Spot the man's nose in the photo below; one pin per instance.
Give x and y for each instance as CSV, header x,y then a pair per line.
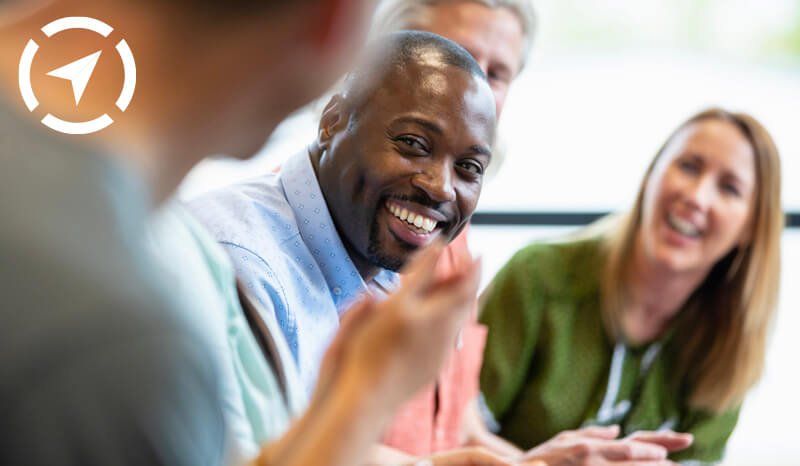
x,y
437,182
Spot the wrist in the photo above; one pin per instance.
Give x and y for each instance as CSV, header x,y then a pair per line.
x,y
364,394
386,380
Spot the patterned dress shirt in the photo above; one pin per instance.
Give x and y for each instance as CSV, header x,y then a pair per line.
x,y
286,251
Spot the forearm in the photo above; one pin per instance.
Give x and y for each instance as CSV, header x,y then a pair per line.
x,y
495,444
338,429
381,455
475,433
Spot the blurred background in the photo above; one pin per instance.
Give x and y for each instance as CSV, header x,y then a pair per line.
x,y
607,82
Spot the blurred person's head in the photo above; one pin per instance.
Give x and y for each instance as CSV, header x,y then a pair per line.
x,y
213,77
498,33
401,153
709,204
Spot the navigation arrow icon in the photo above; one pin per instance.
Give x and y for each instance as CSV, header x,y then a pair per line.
x,y
78,73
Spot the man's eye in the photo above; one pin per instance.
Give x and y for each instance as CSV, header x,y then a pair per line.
x,y
497,77
413,143
472,167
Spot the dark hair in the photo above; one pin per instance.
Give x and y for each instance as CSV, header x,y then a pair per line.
x,y
404,47
396,51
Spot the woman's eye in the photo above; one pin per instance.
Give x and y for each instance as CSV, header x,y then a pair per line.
x,y
731,189
688,166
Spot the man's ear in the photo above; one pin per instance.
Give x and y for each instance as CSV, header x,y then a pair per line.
x,y
333,121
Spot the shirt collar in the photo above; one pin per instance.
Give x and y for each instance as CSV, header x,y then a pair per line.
x,y
319,233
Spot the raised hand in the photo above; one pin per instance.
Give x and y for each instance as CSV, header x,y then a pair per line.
x,y
404,339
398,345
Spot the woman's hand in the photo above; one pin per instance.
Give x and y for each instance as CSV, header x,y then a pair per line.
x,y
600,446
672,441
474,433
472,456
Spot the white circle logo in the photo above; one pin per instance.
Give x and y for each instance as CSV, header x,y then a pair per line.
x,y
78,73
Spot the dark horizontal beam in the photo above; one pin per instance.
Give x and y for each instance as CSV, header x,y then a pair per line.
x,y
565,219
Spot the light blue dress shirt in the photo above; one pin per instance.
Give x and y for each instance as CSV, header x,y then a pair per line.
x,y
255,408
285,248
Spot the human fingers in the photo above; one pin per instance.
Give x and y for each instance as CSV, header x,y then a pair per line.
x,y
628,450
420,270
469,270
598,432
531,463
672,441
356,314
352,321
473,456
644,463
451,299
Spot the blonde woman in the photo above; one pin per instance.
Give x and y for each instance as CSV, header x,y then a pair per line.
x,y
657,319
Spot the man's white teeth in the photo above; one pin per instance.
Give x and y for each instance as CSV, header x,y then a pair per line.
x,y
682,226
419,221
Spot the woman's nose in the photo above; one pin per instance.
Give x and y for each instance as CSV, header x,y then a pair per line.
x,y
701,193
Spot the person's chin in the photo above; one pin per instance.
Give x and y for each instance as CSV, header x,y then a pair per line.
x,y
677,261
392,254
387,261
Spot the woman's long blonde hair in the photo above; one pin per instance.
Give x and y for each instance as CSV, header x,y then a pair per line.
x,y
722,349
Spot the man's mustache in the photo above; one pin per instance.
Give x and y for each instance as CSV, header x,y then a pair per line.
x,y
420,199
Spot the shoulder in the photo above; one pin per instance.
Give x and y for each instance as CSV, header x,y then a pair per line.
x,y
247,214
88,334
93,345
556,255
111,357
559,266
78,299
176,232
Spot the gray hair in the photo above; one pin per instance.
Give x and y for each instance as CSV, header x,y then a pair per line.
x,y
394,15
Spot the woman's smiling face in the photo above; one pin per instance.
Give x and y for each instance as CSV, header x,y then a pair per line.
x,y
699,199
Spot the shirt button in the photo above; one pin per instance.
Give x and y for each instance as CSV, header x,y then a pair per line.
x,y
337,291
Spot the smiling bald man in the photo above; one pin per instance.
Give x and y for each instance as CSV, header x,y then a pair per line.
x,y
399,161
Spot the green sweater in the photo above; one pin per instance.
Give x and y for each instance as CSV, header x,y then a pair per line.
x,y
550,366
